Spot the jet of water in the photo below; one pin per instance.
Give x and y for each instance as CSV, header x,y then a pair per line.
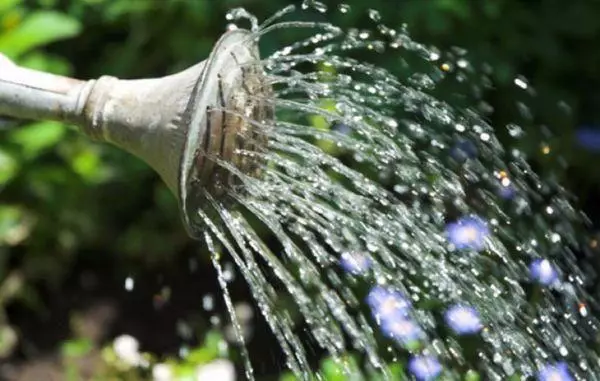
x,y
399,225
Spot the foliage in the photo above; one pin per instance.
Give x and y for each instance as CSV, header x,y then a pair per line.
x,y
69,203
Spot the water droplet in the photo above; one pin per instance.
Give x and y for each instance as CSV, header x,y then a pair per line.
x,y
344,8
445,166
514,130
241,13
374,15
320,7
208,302
521,82
462,63
317,5
129,283
228,272
545,149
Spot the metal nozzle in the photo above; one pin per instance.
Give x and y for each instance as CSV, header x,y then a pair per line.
x,y
181,125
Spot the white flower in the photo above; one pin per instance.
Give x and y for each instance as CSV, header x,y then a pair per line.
x,y
221,370
127,350
162,372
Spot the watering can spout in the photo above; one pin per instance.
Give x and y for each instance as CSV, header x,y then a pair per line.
x,y
143,117
182,125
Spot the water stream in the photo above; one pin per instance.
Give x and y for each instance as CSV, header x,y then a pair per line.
x,y
401,228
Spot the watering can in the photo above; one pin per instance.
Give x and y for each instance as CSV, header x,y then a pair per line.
x,y
176,124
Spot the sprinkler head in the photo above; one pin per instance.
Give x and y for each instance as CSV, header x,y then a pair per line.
x,y
191,127
226,108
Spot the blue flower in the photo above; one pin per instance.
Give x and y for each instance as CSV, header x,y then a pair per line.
x,y
506,189
468,233
588,138
424,368
355,262
507,193
543,272
463,320
402,329
341,128
387,303
555,372
463,150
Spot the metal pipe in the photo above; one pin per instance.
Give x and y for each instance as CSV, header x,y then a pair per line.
x,y
31,94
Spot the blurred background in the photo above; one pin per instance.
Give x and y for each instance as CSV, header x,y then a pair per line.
x,y
91,244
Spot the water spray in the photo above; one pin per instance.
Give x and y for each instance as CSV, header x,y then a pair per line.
x,y
180,124
396,222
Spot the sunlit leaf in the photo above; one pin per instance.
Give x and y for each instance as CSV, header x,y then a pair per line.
x,y
76,348
471,375
8,340
6,5
39,28
200,356
332,371
288,377
11,286
213,342
14,226
185,372
44,62
37,137
86,164
8,166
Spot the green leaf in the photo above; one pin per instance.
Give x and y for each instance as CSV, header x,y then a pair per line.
x,y
332,371
212,342
6,5
37,137
44,62
13,224
200,356
288,377
87,165
8,340
38,29
185,372
76,348
8,166
471,375
397,371
47,3
459,8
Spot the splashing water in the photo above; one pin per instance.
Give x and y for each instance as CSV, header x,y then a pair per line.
x,y
398,224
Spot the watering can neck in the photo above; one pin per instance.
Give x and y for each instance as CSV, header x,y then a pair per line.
x,y
184,125
143,117
140,116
